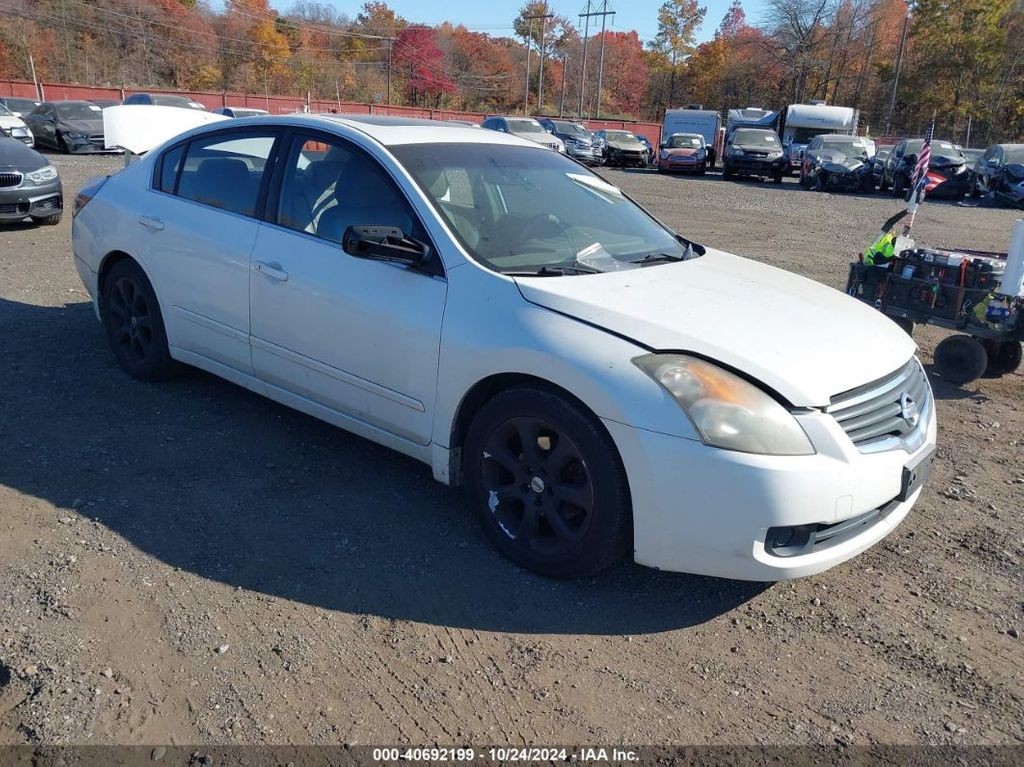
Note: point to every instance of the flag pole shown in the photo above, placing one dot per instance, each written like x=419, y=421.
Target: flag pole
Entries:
x=920, y=178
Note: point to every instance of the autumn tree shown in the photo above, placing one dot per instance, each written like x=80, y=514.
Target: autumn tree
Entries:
x=548, y=36
x=425, y=78
x=678, y=21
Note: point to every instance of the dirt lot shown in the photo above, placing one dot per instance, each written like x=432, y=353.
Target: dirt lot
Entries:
x=190, y=563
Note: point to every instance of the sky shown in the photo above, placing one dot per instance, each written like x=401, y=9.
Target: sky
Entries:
x=495, y=16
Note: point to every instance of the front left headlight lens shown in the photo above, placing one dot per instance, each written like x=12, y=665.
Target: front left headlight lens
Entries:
x=41, y=176
x=727, y=411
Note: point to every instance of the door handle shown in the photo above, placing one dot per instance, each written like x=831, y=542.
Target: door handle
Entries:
x=272, y=271
x=151, y=223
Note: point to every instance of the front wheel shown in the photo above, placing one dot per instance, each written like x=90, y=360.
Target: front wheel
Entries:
x=777, y=178
x=61, y=144
x=547, y=484
x=135, y=327
x=897, y=187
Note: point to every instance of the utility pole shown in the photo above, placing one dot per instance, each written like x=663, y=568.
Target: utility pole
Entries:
x=540, y=75
x=561, y=100
x=588, y=11
x=391, y=42
x=543, y=18
x=585, y=14
x=605, y=12
x=896, y=79
x=35, y=81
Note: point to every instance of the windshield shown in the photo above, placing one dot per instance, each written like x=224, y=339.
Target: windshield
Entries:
x=571, y=129
x=749, y=137
x=685, y=141
x=77, y=110
x=618, y=135
x=521, y=210
x=5, y=111
x=849, y=148
x=939, y=149
x=21, y=105
x=525, y=126
x=1013, y=155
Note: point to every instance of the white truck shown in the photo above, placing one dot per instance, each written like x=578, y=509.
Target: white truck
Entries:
x=802, y=122
x=705, y=122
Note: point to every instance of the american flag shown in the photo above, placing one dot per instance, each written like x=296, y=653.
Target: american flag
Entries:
x=923, y=158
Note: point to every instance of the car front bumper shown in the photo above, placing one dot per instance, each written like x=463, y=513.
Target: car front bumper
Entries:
x=681, y=165
x=703, y=510
x=755, y=166
x=586, y=155
x=92, y=144
x=36, y=201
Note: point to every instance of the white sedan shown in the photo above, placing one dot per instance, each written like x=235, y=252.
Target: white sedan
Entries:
x=600, y=384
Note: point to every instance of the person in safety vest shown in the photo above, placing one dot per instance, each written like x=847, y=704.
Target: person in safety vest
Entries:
x=881, y=251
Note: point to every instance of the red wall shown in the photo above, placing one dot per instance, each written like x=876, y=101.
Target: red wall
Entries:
x=287, y=104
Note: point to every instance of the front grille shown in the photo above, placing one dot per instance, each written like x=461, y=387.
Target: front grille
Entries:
x=878, y=410
x=96, y=139
x=14, y=208
x=10, y=179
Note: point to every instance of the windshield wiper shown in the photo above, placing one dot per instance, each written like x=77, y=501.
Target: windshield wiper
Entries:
x=657, y=256
x=556, y=271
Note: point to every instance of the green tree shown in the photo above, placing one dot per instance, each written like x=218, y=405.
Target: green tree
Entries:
x=678, y=21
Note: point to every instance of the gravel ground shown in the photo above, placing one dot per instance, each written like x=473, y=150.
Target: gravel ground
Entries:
x=190, y=563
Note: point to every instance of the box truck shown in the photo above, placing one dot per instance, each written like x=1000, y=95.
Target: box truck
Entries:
x=695, y=119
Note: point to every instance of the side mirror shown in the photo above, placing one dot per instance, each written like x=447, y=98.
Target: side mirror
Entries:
x=662, y=145
x=384, y=243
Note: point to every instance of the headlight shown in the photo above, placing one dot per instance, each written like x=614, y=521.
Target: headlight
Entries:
x=735, y=152
x=727, y=411
x=76, y=136
x=41, y=176
x=701, y=154
x=774, y=155
x=960, y=169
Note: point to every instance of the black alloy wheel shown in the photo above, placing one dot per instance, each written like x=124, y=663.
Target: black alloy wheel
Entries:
x=547, y=484
x=134, y=324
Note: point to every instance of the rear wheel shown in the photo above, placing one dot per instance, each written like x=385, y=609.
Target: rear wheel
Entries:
x=1003, y=357
x=135, y=327
x=547, y=484
x=960, y=359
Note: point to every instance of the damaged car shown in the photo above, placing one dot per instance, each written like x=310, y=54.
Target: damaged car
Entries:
x=999, y=174
x=623, y=149
x=74, y=127
x=947, y=174
x=835, y=163
x=30, y=187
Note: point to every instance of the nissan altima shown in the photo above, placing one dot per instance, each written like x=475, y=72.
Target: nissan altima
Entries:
x=600, y=384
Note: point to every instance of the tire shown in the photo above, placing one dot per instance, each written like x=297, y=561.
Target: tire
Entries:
x=726, y=173
x=579, y=481
x=62, y=146
x=961, y=359
x=134, y=325
x=883, y=185
x=867, y=185
x=777, y=178
x=897, y=186
x=805, y=182
x=1003, y=357
x=49, y=220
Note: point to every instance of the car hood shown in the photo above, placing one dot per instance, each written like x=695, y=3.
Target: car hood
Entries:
x=836, y=157
x=631, y=146
x=15, y=155
x=938, y=161
x=682, y=151
x=804, y=340
x=766, y=148
x=83, y=126
x=10, y=121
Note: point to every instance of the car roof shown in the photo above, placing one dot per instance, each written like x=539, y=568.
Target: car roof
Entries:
x=392, y=131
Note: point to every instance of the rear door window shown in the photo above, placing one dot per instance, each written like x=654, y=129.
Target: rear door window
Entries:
x=226, y=170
